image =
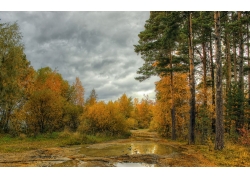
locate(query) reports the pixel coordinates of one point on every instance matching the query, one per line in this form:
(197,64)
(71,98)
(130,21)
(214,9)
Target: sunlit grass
(233,155)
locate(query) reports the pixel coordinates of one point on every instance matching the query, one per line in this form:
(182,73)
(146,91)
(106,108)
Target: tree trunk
(172,97)
(241,47)
(248,63)
(219,139)
(235,60)
(205,123)
(204,62)
(213,86)
(191,139)
(241,82)
(228,60)
(228,76)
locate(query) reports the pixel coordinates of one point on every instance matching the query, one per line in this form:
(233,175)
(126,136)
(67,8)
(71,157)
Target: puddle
(127,149)
(133,165)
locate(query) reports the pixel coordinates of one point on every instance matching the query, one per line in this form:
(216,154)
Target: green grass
(22,143)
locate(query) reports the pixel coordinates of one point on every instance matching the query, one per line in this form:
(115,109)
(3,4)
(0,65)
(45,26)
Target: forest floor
(142,149)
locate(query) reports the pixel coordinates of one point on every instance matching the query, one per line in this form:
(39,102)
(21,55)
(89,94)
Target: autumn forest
(203,61)
(202,97)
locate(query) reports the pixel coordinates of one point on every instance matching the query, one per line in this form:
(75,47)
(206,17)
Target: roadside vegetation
(22,143)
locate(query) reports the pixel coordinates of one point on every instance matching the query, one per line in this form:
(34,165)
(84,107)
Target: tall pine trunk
(205,122)
(204,62)
(228,76)
(241,82)
(228,60)
(191,139)
(213,86)
(248,63)
(234,52)
(219,138)
(173,102)
(235,60)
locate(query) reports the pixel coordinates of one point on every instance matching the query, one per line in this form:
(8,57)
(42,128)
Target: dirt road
(142,149)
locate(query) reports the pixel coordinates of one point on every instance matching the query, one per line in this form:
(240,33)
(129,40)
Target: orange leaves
(155,64)
(48,79)
(54,82)
(52,103)
(44,111)
(244,137)
(162,109)
(107,118)
(110,118)
(125,105)
(143,113)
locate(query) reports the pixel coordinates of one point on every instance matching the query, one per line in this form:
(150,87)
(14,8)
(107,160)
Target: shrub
(244,137)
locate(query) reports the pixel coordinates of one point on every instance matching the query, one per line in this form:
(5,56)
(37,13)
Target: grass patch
(22,143)
(90,139)
(233,155)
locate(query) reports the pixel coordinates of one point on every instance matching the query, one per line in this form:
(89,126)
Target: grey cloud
(97,47)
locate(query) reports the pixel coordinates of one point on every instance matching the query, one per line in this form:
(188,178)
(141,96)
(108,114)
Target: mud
(142,149)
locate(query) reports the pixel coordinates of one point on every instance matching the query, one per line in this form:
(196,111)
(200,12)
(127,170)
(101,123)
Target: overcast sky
(95,46)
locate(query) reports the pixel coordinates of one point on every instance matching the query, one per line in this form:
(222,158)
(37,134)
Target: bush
(132,123)
(103,118)
(244,137)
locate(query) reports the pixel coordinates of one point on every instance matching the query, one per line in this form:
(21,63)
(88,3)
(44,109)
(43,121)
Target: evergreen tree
(191,139)
(157,45)
(219,139)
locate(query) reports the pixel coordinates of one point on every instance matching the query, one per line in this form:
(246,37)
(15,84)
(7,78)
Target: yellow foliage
(125,105)
(44,108)
(143,112)
(162,109)
(104,118)
(44,111)
(132,123)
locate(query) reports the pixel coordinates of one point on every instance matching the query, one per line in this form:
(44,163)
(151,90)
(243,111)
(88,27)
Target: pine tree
(191,139)
(219,139)
(157,45)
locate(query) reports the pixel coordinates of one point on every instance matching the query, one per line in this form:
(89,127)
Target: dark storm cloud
(97,47)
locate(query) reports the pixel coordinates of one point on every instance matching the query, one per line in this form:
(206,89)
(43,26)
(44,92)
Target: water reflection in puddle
(133,165)
(128,149)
